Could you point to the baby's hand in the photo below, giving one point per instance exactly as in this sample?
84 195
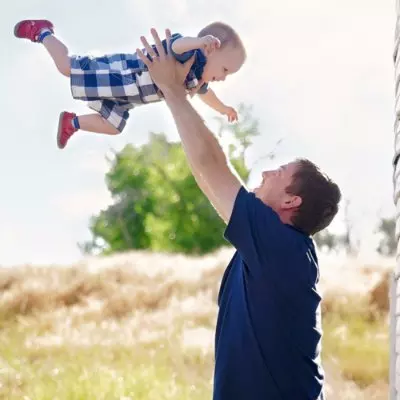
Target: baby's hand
231 113
210 43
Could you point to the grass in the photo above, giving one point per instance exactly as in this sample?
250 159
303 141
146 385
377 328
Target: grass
359 347
122 334
152 371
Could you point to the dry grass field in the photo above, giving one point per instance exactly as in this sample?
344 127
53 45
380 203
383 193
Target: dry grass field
141 326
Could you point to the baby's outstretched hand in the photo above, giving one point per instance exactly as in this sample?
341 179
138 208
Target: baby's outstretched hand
210 43
231 113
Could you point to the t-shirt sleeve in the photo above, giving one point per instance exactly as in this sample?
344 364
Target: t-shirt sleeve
180 57
256 231
203 89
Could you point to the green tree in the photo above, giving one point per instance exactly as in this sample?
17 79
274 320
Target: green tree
327 240
387 245
157 204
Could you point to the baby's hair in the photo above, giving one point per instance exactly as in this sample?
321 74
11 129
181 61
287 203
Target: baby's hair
225 33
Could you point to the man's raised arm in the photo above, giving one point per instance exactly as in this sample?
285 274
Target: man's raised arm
208 163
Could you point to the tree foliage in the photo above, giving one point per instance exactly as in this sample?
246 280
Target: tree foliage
387 245
157 204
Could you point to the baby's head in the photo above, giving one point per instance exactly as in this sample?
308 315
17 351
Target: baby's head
226 60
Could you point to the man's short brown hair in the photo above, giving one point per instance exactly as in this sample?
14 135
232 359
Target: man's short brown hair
225 33
320 197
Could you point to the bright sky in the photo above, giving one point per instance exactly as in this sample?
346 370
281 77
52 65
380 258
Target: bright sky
319 75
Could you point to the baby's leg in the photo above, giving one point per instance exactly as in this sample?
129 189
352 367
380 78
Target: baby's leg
97 124
110 120
41 31
59 53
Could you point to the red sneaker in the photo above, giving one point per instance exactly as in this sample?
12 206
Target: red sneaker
65 128
31 28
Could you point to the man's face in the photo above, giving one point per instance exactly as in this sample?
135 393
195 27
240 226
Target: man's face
221 63
272 190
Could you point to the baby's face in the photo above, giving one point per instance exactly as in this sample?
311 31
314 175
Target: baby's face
221 63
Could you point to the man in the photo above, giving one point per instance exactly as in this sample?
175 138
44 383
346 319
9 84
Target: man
268 335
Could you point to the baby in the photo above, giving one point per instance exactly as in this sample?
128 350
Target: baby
114 84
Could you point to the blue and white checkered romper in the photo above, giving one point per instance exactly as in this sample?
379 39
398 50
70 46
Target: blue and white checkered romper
114 84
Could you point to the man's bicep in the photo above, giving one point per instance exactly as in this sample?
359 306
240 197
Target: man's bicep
221 187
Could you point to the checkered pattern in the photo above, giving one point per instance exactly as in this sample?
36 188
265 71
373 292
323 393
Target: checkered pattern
114 84
115 112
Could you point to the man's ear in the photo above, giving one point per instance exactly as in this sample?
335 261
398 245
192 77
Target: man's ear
291 202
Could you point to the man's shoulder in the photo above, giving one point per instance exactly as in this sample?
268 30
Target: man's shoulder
253 221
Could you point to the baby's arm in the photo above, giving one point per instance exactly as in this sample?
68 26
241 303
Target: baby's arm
184 44
211 99
207 43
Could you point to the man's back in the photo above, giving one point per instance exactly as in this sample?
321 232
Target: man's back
269 329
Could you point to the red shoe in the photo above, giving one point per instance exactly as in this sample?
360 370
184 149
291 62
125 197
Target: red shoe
65 128
31 28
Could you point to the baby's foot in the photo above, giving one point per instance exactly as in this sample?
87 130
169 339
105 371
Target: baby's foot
66 128
32 28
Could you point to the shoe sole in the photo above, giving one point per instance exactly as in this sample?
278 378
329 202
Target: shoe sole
26 20
60 120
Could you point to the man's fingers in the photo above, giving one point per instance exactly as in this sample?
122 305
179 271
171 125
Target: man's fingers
168 39
145 59
187 65
157 41
194 90
148 48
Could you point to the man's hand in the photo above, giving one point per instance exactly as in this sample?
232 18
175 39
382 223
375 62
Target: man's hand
193 91
231 113
166 72
210 43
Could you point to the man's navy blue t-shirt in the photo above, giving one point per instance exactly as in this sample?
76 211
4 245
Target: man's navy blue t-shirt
268 334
